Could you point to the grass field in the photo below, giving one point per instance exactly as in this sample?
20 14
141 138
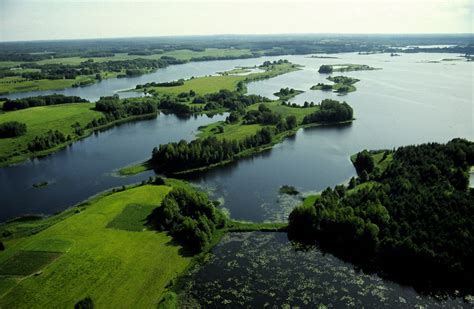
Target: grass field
39 120
117 268
210 84
18 84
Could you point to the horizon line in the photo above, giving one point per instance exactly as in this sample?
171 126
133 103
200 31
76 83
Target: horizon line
244 34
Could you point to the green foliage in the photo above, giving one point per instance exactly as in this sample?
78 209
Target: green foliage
364 162
47 141
53 99
12 129
330 111
189 217
115 109
410 220
181 156
325 69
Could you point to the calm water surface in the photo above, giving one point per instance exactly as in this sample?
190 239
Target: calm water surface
407 101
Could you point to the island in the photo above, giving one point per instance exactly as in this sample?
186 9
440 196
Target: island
342 84
330 68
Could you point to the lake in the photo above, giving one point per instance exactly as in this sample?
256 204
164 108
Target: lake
408 101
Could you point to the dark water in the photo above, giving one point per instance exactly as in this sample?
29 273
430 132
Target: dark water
257 270
407 102
86 167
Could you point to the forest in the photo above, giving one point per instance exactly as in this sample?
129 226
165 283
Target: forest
330 111
412 220
53 99
115 108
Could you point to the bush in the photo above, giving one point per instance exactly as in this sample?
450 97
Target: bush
12 129
85 303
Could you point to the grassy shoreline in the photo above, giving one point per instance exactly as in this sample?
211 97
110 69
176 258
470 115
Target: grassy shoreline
26 155
81 234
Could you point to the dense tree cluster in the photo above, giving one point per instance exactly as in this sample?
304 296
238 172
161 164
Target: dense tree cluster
47 141
276 62
53 99
414 220
12 129
325 69
330 111
115 108
266 117
189 217
343 80
175 157
131 67
232 100
306 104
173 83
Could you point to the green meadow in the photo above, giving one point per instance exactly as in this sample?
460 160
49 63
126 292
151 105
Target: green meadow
40 120
210 84
103 251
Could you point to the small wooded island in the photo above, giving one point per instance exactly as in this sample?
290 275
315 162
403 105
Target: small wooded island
342 84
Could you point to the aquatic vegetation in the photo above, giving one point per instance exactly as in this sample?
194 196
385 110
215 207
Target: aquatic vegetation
264 269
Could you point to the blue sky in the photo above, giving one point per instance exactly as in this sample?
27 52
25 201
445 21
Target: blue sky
75 19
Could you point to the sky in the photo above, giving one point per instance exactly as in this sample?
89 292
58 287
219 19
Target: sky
79 19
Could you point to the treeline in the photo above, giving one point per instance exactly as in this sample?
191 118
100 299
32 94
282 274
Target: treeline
12 129
414 220
115 108
173 83
189 217
53 99
176 157
232 100
265 116
56 71
330 111
224 99
267 64
230 57
47 141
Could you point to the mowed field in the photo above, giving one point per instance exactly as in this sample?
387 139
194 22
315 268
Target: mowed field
104 252
39 120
